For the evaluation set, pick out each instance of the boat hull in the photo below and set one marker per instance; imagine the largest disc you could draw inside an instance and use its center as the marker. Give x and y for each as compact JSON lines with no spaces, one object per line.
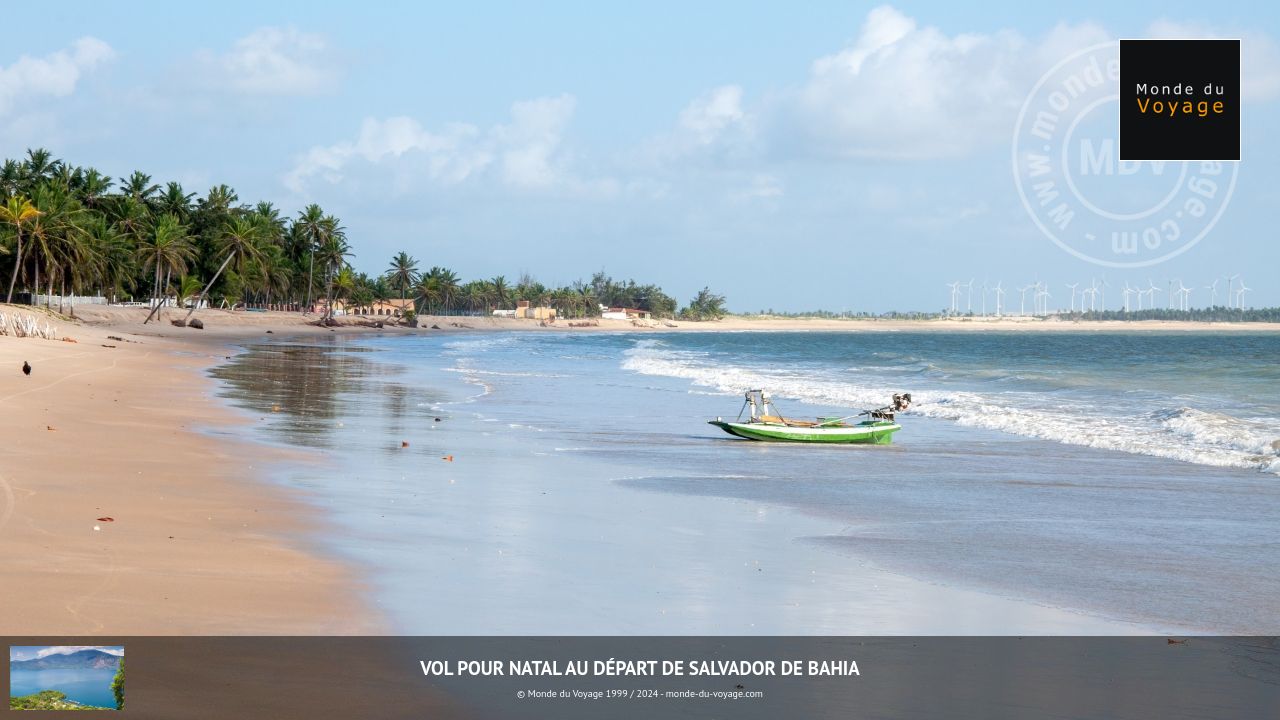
{"x":878,"y":434}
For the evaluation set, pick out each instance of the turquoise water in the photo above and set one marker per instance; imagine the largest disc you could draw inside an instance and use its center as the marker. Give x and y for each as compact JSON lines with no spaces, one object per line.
{"x":87,"y":687}
{"x":1126,"y":477}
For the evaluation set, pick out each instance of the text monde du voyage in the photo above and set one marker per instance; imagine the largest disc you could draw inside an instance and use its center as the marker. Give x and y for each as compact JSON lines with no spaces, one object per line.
{"x":638,"y":668}
{"x":1180,"y":99}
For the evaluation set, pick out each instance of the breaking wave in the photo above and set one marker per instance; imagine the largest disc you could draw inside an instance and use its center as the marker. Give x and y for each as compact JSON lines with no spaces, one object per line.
{"x":1179,"y":433}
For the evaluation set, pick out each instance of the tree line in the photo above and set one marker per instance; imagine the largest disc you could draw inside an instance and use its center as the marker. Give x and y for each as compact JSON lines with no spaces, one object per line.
{"x":70,"y":230}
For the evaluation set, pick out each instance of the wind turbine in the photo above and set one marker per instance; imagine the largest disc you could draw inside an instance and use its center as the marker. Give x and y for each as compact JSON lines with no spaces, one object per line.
{"x":1103,"y":290}
{"x":984,"y":297}
{"x":1230,"y":280}
{"x":955,"y":290}
{"x":1128,"y":292}
{"x":1240,"y":294}
{"x":1042,"y":294}
{"x":1022,"y":303}
{"x":969,"y":305}
{"x":1151,"y":294}
{"x":1184,"y":296}
{"x":1073,"y":287}
{"x":999,"y":298}
{"x":1213,"y":290}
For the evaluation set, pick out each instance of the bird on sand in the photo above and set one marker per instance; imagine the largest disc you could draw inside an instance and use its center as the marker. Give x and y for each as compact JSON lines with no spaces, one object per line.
{"x":26,"y":368}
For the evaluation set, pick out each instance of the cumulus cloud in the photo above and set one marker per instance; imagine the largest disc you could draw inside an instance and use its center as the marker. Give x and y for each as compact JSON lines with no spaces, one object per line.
{"x":525,"y":153}
{"x":1259,"y":57}
{"x":903,"y":90}
{"x":54,"y":75}
{"x":275,"y":61}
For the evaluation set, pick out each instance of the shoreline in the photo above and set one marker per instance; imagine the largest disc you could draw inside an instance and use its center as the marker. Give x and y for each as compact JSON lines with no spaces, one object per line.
{"x":123,"y":512}
{"x":195,"y":546}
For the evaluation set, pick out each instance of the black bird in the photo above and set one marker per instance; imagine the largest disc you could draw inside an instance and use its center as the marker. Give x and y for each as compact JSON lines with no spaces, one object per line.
{"x":26,"y":368}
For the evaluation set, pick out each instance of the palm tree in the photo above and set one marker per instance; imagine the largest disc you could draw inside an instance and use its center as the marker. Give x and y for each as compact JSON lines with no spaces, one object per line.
{"x":188,"y":286}
{"x":501,"y":293}
{"x":175,"y":201}
{"x":17,"y":211}
{"x":426,"y":293}
{"x":332,"y":256}
{"x":168,"y":249}
{"x":239,"y":243}
{"x":115,"y":254}
{"x":403,"y":273}
{"x":314,"y":229}
{"x":139,"y":187}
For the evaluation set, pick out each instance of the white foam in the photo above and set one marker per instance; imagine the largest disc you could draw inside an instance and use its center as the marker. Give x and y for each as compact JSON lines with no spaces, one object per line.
{"x":1182,"y":433}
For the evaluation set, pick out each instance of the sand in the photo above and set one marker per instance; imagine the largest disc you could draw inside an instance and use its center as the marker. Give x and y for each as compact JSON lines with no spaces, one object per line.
{"x":197,"y":542}
{"x":200,"y":541}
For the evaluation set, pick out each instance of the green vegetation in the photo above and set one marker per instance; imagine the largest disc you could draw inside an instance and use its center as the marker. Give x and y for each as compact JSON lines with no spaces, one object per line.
{"x":73,"y":230}
{"x":68,"y":230}
{"x":48,"y":700}
{"x":706,"y":306}
{"x":117,"y":685}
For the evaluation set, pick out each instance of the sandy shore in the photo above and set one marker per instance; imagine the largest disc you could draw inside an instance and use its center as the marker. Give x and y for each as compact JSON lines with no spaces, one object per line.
{"x":226,"y":324}
{"x":110,"y":427}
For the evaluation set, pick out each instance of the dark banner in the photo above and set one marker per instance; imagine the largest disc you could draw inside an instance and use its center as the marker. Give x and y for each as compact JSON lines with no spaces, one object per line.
{"x":683,"y":677}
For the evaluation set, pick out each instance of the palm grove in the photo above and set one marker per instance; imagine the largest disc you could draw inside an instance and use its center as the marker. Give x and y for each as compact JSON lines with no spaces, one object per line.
{"x":69,"y":230}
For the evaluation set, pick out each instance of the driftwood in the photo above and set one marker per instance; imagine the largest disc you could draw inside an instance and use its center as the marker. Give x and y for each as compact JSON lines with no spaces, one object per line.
{"x":179,"y":322}
{"x":196,"y":323}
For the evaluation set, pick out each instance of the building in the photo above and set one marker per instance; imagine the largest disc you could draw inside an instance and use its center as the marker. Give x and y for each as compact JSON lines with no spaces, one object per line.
{"x":527,"y":311}
{"x":623,"y":313}
{"x":394,"y":307}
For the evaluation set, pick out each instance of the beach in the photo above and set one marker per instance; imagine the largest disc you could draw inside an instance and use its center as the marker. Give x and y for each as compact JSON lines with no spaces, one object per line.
{"x":269,"y":476}
{"x":125,"y":510}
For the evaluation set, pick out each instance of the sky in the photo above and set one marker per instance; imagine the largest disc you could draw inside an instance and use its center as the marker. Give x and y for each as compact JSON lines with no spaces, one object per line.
{"x":838,"y":155}
{"x":34,"y":652}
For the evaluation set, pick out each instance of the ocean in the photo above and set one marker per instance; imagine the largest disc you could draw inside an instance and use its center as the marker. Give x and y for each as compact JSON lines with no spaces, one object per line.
{"x":567,"y":483}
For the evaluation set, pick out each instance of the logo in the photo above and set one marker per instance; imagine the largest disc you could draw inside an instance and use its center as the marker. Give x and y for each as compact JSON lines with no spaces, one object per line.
{"x":1083,"y":197}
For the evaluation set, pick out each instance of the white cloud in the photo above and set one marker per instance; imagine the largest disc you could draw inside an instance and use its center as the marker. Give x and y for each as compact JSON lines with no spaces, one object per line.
{"x":1259,"y":57}
{"x":69,"y":649}
{"x":524,"y":153}
{"x":274,"y":61}
{"x":54,"y":75}
{"x":903,"y":90}
{"x":708,"y":116}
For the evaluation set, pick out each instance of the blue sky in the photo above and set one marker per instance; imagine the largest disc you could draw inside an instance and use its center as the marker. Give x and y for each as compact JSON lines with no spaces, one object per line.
{"x":759,"y":149}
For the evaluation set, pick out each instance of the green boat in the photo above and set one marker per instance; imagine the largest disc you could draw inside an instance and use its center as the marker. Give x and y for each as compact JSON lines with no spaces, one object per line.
{"x":766,"y":423}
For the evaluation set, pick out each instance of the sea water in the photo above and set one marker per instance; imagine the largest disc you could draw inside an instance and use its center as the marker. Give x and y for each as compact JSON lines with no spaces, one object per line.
{"x":82,"y":685}
{"x":568,"y":482}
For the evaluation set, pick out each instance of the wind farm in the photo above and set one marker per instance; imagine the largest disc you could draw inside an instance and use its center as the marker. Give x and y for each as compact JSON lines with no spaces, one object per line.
{"x":1143,"y":298}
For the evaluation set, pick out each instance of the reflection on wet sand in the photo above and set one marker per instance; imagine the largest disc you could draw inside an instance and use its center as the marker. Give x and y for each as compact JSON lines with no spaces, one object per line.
{"x":308,"y":387}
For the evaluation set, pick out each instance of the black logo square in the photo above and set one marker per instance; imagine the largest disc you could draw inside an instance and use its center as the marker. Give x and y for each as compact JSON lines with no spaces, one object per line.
{"x":1179,"y":99}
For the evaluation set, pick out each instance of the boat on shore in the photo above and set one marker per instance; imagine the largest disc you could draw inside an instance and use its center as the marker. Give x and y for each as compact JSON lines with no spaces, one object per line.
{"x":766,"y":423}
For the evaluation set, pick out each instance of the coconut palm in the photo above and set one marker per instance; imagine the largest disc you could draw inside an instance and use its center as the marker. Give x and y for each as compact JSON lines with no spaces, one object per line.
{"x":18,"y":212}
{"x":501,"y":293}
{"x":188,"y":286}
{"x":315,"y":230}
{"x":332,"y":256}
{"x":168,"y":249}
{"x":403,"y":273}
{"x":139,"y":187}
{"x":239,"y":244}
{"x":115,"y":254}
